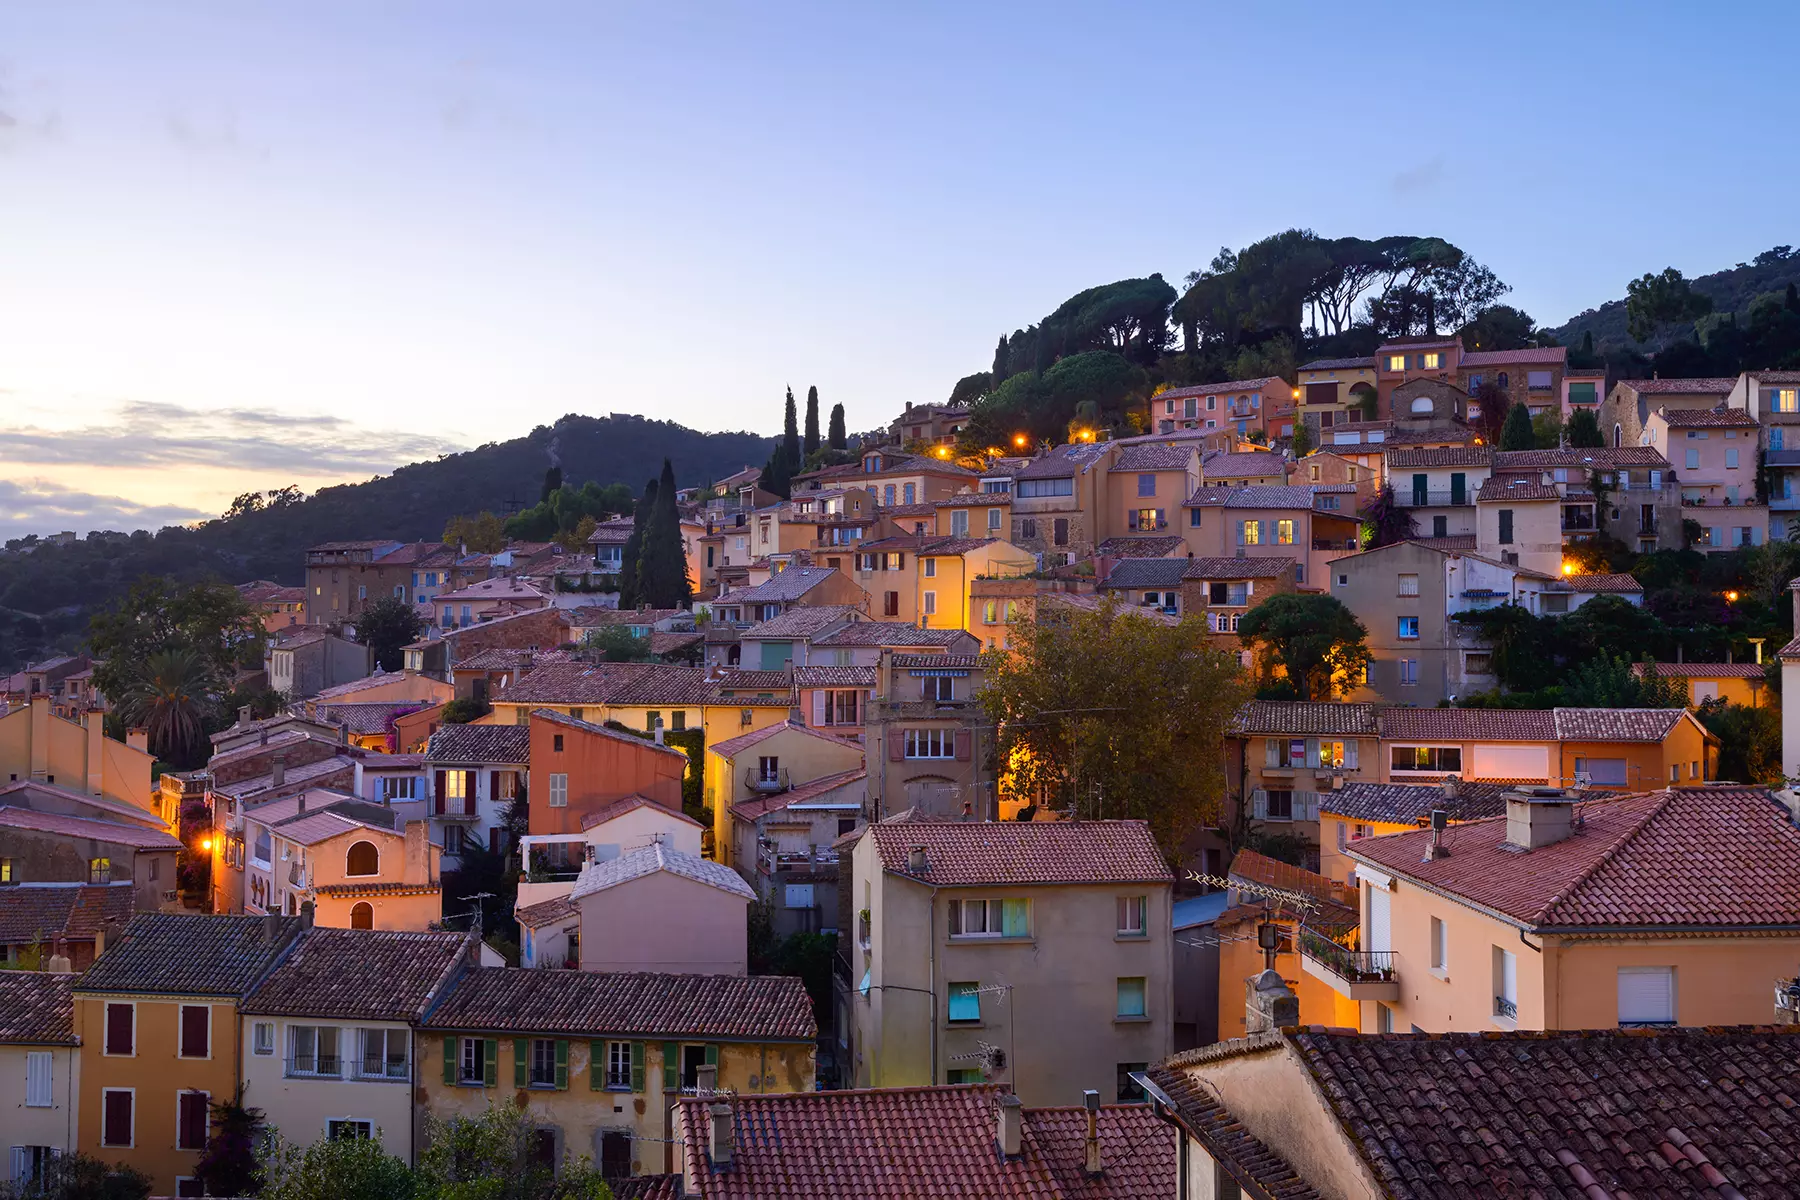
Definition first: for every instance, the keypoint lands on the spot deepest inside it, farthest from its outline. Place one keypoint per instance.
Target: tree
(835, 437)
(615, 643)
(634, 545)
(1516, 433)
(790, 433)
(662, 574)
(1303, 442)
(1002, 356)
(1495, 407)
(1749, 741)
(1068, 702)
(82, 1177)
(483, 533)
(1547, 430)
(1316, 640)
(1584, 430)
(208, 618)
(1499, 327)
(1607, 681)
(812, 422)
(228, 1167)
(464, 710)
(171, 694)
(493, 1157)
(387, 626)
(1385, 521)
(970, 388)
(553, 481)
(344, 1168)
(1653, 302)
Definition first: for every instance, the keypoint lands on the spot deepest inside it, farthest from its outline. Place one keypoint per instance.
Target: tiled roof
(590, 615)
(890, 633)
(919, 662)
(1139, 547)
(1601, 458)
(731, 747)
(316, 827)
(800, 622)
(1063, 462)
(1719, 386)
(1616, 724)
(1502, 490)
(1453, 543)
(758, 806)
(666, 642)
(953, 545)
(600, 876)
(367, 719)
(1247, 464)
(1544, 356)
(244, 789)
(790, 584)
(1582, 1115)
(977, 853)
(140, 836)
(504, 588)
(480, 744)
(1603, 582)
(754, 681)
(1467, 724)
(1258, 1171)
(608, 683)
(1152, 457)
(619, 808)
(1715, 856)
(1708, 418)
(261, 591)
(359, 974)
(813, 677)
(1252, 867)
(1702, 670)
(568, 722)
(504, 658)
(894, 1143)
(1267, 383)
(1398, 457)
(773, 1008)
(646, 1187)
(380, 678)
(1146, 572)
(1405, 803)
(1776, 376)
(547, 912)
(1306, 717)
(36, 1009)
(1238, 568)
(1337, 364)
(39, 914)
(1269, 495)
(190, 954)
(31, 793)
(1413, 341)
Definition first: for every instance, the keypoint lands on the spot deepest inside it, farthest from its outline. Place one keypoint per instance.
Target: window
(190, 1121)
(907, 491)
(99, 870)
(1646, 996)
(840, 708)
(1409, 628)
(1478, 663)
(1787, 400)
(1131, 914)
(471, 1062)
(6, 869)
(993, 520)
(1447, 759)
(312, 1050)
(618, 1066)
(1337, 754)
(959, 523)
(652, 719)
(383, 1054)
(1032, 488)
(117, 1116)
(262, 1038)
(931, 743)
(1731, 458)
(963, 1075)
(1506, 986)
(38, 1086)
(543, 1062)
(1027, 527)
(890, 604)
(1500, 381)
(930, 603)
(1693, 459)
(930, 568)
(1409, 585)
(121, 1029)
(965, 1003)
(990, 918)
(1278, 804)
(363, 859)
(990, 612)
(1409, 672)
(1506, 526)
(1193, 518)
(1284, 533)
(1396, 362)
(1432, 361)
(1131, 998)
(1440, 945)
(559, 791)
(196, 1031)
(939, 688)
(1146, 485)
(399, 787)
(349, 1129)
(1328, 503)
(1059, 529)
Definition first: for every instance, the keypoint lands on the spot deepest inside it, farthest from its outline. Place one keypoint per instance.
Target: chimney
(916, 863)
(1436, 850)
(659, 733)
(418, 852)
(137, 739)
(59, 957)
(721, 1134)
(1090, 1100)
(271, 928)
(262, 739)
(301, 810)
(306, 914)
(244, 714)
(1269, 1003)
(99, 942)
(1538, 817)
(706, 1079)
(1009, 1125)
(1452, 785)
(278, 774)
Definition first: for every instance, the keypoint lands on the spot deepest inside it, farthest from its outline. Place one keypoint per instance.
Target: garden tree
(1520, 643)
(464, 710)
(1315, 639)
(387, 626)
(561, 513)
(811, 439)
(1499, 327)
(1749, 740)
(482, 533)
(1002, 356)
(171, 694)
(835, 437)
(662, 574)
(1608, 681)
(1302, 444)
(229, 1167)
(83, 1177)
(208, 618)
(806, 956)
(615, 643)
(331, 1169)
(1547, 430)
(553, 481)
(1583, 357)
(1496, 407)
(493, 1157)
(1384, 520)
(1583, 430)
(790, 433)
(1042, 406)
(1608, 623)
(634, 545)
(584, 529)
(1516, 433)
(970, 388)
(1068, 702)
(1654, 302)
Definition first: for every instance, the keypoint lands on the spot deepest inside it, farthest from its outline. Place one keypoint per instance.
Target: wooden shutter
(521, 1057)
(119, 1021)
(450, 1056)
(637, 1066)
(712, 1060)
(820, 700)
(115, 1119)
(562, 1064)
(896, 740)
(1162, 518)
(597, 1064)
(440, 793)
(490, 1062)
(40, 1084)
(191, 1122)
(963, 739)
(493, 786)
(194, 1022)
(671, 1066)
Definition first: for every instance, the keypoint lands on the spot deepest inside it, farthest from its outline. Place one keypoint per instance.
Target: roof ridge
(1609, 854)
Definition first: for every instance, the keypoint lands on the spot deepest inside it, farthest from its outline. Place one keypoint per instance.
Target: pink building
(1713, 453)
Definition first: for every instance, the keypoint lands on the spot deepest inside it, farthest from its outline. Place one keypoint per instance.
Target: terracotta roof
(906, 510)
(1503, 490)
(589, 615)
(667, 642)
(1438, 456)
(1097, 604)
(36, 1009)
(1467, 724)
(755, 681)
(1238, 568)
(315, 827)
(245, 789)
(503, 588)
(1064, 462)
(35, 913)
(619, 808)
(118, 832)
(1702, 670)
(790, 584)
(801, 622)
(1150, 456)
(1146, 573)
(1253, 867)
(1718, 386)
(359, 974)
(924, 662)
(1616, 724)
(1245, 464)
(1603, 582)
(190, 954)
(368, 719)
(480, 744)
(378, 889)
(1714, 856)
(953, 545)
(763, 1008)
(1337, 364)
(1260, 1172)
(731, 747)
(1139, 547)
(1266, 383)
(1269, 495)
(890, 633)
(29, 793)
(568, 722)
(1306, 717)
(1602, 458)
(504, 658)
(261, 591)
(1415, 340)
(1707, 418)
(1776, 376)
(654, 858)
(1451, 544)
(1544, 356)
(981, 853)
(646, 1187)
(608, 683)
(814, 677)
(759, 806)
(378, 679)
(547, 912)
(923, 1141)
(1405, 803)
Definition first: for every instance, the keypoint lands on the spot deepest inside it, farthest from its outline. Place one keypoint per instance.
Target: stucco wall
(299, 1107)
(1718, 981)
(664, 922)
(53, 1126)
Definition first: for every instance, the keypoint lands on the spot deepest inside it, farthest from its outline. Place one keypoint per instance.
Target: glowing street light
(1019, 439)
(1568, 568)
(205, 844)
(1731, 597)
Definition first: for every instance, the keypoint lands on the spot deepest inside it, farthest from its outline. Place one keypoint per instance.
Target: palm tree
(171, 694)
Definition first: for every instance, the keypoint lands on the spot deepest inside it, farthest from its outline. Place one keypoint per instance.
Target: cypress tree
(835, 437)
(790, 434)
(777, 473)
(552, 484)
(1001, 354)
(1516, 434)
(662, 580)
(634, 547)
(812, 421)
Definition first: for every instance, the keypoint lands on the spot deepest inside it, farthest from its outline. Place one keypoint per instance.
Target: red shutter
(118, 1029)
(896, 739)
(1321, 393)
(115, 1119)
(963, 739)
(440, 793)
(493, 787)
(193, 1031)
(190, 1133)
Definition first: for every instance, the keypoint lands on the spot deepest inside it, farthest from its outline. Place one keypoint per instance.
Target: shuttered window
(190, 1121)
(1646, 995)
(196, 1029)
(38, 1066)
(121, 1029)
(115, 1117)
(1381, 935)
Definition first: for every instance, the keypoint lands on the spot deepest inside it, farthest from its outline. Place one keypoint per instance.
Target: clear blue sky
(424, 226)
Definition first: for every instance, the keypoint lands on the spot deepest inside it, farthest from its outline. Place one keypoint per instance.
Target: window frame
(1120, 993)
(366, 1135)
(258, 1049)
(181, 1096)
(1129, 908)
(963, 996)
(543, 1049)
(130, 1093)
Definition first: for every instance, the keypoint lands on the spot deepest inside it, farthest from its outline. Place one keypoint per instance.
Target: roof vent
(1537, 817)
(1009, 1125)
(916, 863)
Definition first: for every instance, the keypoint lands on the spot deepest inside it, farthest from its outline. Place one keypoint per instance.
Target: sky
(250, 245)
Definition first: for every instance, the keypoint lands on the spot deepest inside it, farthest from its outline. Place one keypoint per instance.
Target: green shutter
(712, 1056)
(449, 1060)
(1013, 919)
(490, 1062)
(671, 1066)
(596, 1066)
(637, 1066)
(521, 1055)
(562, 1064)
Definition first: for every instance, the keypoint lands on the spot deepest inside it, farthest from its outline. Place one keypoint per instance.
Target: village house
(974, 514)
(37, 745)
(948, 567)
(834, 699)
(1625, 412)
(796, 587)
(359, 865)
(43, 921)
(40, 1061)
(1311, 524)
(1773, 398)
(896, 478)
(1245, 468)
(476, 773)
(1734, 683)
(382, 687)
(485, 601)
(579, 768)
(1056, 503)
(307, 659)
(280, 606)
(1285, 760)
(1306, 911)
(921, 732)
(775, 644)
(1221, 591)
(1714, 452)
(933, 424)
(52, 835)
(1150, 583)
(1438, 486)
(442, 651)
(1145, 484)
(785, 847)
(1335, 391)
(656, 908)
(768, 762)
(1366, 809)
(1583, 390)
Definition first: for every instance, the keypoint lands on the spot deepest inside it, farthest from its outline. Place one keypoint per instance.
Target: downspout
(933, 982)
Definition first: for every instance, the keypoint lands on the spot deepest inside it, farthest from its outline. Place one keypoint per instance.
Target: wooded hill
(1730, 291)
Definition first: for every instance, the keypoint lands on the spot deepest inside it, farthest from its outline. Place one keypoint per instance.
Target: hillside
(47, 594)
(1730, 291)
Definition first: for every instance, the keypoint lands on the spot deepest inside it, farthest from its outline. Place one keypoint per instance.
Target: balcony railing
(759, 780)
(1433, 498)
(772, 861)
(1506, 1008)
(1335, 544)
(1356, 966)
(1578, 524)
(315, 1066)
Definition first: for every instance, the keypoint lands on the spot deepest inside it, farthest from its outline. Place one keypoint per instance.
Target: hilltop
(1730, 291)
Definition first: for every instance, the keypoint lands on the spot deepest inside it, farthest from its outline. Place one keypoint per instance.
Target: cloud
(147, 435)
(41, 507)
(1422, 178)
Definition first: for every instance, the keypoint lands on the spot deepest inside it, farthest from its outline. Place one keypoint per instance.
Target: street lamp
(1019, 440)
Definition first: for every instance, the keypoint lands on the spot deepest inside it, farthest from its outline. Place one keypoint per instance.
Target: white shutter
(1273, 749)
(1259, 800)
(820, 699)
(1646, 994)
(1381, 935)
(1350, 753)
(37, 1079)
(20, 1163)
(1312, 753)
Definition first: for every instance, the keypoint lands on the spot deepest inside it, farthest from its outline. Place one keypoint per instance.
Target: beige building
(1625, 413)
(767, 763)
(1146, 484)
(923, 734)
(38, 745)
(1034, 953)
(657, 909)
(1056, 502)
(40, 1067)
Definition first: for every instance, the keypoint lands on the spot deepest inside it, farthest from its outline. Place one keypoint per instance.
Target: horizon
(284, 248)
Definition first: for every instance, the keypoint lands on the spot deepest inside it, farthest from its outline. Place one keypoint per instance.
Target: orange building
(578, 768)
(1734, 683)
(1332, 918)
(279, 606)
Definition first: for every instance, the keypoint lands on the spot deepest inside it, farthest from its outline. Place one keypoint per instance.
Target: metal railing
(1433, 497)
(382, 1068)
(1335, 544)
(758, 780)
(1355, 966)
(315, 1066)
(1505, 1008)
(771, 860)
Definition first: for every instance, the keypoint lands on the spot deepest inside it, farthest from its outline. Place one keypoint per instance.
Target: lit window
(1433, 361)
(1409, 628)
(1284, 532)
(1396, 362)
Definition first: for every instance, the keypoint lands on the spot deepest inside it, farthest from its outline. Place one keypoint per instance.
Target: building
(49, 835)
(476, 773)
(485, 601)
(795, 587)
(1625, 412)
(1715, 452)
(1629, 749)
(41, 921)
(1312, 524)
(360, 865)
(922, 730)
(343, 577)
(158, 1023)
(1630, 493)
(1336, 391)
(786, 847)
(37, 745)
(1310, 910)
(601, 1060)
(1583, 390)
(1034, 953)
(636, 695)
(443, 651)
(1671, 907)
(280, 606)
(1220, 591)
(326, 1041)
(1734, 683)
(311, 659)
(582, 769)
(1151, 583)
(1364, 809)
(932, 424)
(40, 1072)
(1057, 498)
(1288, 759)
(889, 1143)
(761, 766)
(1291, 1114)
(1438, 486)
(1773, 398)
(1146, 483)
(656, 908)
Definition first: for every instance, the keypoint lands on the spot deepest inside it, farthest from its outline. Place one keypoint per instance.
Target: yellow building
(37, 744)
(765, 762)
(1734, 683)
(948, 568)
(158, 1023)
(643, 695)
(1629, 749)
(1335, 391)
(1330, 920)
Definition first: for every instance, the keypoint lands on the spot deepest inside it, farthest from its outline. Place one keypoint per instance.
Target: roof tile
(359, 974)
(36, 1009)
(520, 999)
(977, 853)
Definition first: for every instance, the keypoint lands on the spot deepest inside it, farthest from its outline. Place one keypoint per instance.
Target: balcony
(767, 782)
(772, 861)
(1434, 498)
(1579, 524)
(1347, 545)
(1506, 1009)
(1353, 974)
(462, 813)
(1784, 503)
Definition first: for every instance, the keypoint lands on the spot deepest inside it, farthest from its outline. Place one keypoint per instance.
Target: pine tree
(662, 579)
(1001, 354)
(629, 593)
(835, 437)
(790, 434)
(812, 421)
(1516, 434)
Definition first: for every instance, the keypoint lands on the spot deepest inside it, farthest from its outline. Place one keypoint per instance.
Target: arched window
(362, 916)
(1501, 380)
(363, 859)
(1618, 435)
(1422, 404)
